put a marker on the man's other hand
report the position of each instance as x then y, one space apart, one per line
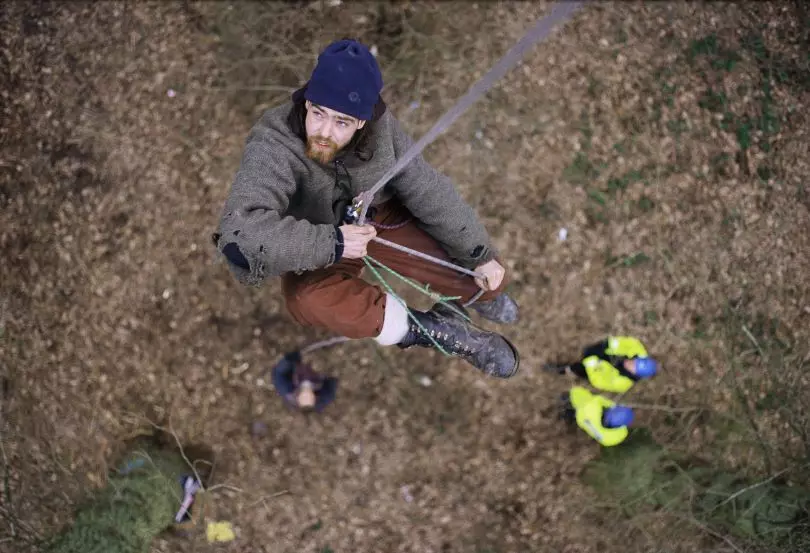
356 239
493 275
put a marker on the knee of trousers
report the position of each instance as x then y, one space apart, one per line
300 300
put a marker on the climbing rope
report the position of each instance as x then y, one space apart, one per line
559 13
427 257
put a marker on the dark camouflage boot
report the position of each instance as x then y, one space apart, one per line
487 351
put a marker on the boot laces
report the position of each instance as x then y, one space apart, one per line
444 339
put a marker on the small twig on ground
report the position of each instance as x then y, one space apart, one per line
225 487
7 487
271 496
184 456
709 531
174 435
753 340
662 408
752 486
27 532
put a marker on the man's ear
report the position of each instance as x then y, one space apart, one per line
360 124
308 105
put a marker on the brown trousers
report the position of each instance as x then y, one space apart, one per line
337 299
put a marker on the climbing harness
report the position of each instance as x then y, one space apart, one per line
356 212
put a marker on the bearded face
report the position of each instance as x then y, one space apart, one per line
328 131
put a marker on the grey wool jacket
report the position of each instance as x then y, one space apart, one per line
283 208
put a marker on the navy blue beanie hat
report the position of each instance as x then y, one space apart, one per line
346 79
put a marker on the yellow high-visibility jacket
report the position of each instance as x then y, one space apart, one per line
603 363
589 409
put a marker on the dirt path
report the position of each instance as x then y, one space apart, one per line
122 127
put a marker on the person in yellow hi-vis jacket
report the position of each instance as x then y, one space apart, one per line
612 365
602 419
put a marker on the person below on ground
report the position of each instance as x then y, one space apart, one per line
613 365
300 386
601 418
304 162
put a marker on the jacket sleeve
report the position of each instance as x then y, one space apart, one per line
440 209
254 233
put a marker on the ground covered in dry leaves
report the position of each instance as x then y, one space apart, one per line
668 140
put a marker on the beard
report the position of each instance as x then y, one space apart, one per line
319 153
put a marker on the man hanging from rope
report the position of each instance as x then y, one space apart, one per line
304 163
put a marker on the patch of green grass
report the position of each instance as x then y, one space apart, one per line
720 57
713 100
765 120
743 133
771 401
705 46
764 172
803 194
596 215
728 121
669 93
585 129
645 204
549 210
720 160
581 171
631 260
701 327
635 259
731 218
597 196
677 126
622 182
670 169
595 87
753 42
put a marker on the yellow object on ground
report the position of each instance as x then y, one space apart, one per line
219 532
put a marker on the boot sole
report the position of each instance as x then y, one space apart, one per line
516 367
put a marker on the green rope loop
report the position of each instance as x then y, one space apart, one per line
424 289
400 300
